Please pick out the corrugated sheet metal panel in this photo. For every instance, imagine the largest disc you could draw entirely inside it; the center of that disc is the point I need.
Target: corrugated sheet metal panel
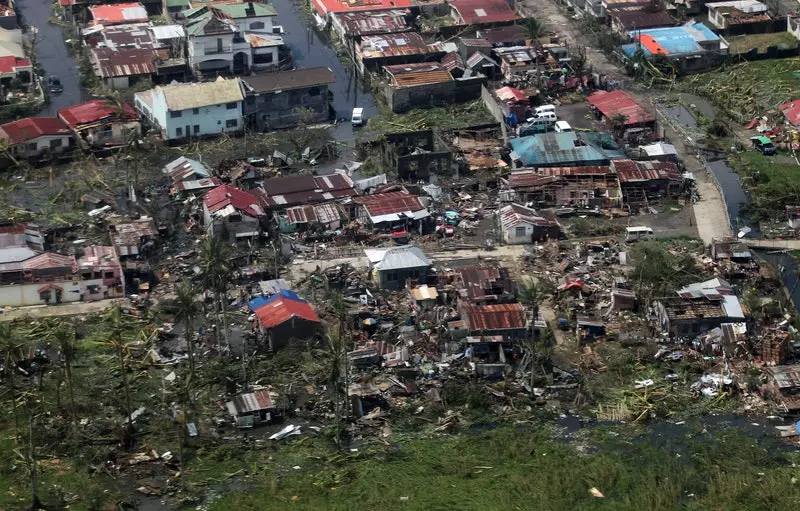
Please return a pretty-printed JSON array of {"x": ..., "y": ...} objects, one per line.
[
  {"x": 422, "y": 78},
  {"x": 494, "y": 317}
]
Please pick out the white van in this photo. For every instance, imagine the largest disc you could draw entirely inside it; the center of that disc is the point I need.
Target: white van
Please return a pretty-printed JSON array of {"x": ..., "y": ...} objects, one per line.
[
  {"x": 538, "y": 125},
  {"x": 550, "y": 116},
  {"x": 562, "y": 127},
  {"x": 638, "y": 233},
  {"x": 551, "y": 109},
  {"x": 358, "y": 117}
]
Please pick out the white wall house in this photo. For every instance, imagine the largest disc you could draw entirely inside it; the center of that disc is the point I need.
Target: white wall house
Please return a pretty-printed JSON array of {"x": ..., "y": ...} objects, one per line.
[
  {"x": 34, "y": 137},
  {"x": 232, "y": 38},
  {"x": 181, "y": 111}
]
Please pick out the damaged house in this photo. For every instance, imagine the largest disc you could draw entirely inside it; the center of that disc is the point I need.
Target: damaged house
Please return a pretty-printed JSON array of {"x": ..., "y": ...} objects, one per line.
[
  {"x": 570, "y": 149},
  {"x": 429, "y": 84},
  {"x": 99, "y": 123},
  {"x": 285, "y": 317},
  {"x": 698, "y": 308},
  {"x": 253, "y": 408},
  {"x": 391, "y": 210},
  {"x": 783, "y": 385},
  {"x": 288, "y": 98},
  {"x": 414, "y": 155},
  {"x": 392, "y": 267},
  {"x": 31, "y": 276},
  {"x": 484, "y": 284},
  {"x": 282, "y": 192},
  {"x": 593, "y": 186},
  {"x": 520, "y": 225},
  {"x": 507, "y": 320},
  {"x": 305, "y": 218},
  {"x": 644, "y": 181},
  {"x": 232, "y": 214},
  {"x": 376, "y": 51}
]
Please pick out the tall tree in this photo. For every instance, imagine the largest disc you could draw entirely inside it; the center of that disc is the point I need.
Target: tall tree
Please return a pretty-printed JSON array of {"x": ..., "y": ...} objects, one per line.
[
  {"x": 186, "y": 310},
  {"x": 530, "y": 294},
  {"x": 214, "y": 257},
  {"x": 533, "y": 28},
  {"x": 10, "y": 347}
]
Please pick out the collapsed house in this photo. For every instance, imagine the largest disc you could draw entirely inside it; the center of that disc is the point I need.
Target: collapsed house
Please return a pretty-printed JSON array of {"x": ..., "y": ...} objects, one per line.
[
  {"x": 699, "y": 308},
  {"x": 253, "y": 408},
  {"x": 232, "y": 214},
  {"x": 391, "y": 210},
  {"x": 484, "y": 284},
  {"x": 519, "y": 224}
]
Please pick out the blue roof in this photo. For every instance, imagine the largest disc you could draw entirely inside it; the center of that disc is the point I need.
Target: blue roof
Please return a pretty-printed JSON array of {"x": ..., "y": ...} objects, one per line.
[
  {"x": 258, "y": 302},
  {"x": 566, "y": 149},
  {"x": 681, "y": 40}
]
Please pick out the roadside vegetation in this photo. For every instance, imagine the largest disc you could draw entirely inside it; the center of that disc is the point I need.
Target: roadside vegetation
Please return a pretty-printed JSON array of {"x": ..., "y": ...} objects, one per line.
[
  {"x": 747, "y": 90},
  {"x": 771, "y": 183}
]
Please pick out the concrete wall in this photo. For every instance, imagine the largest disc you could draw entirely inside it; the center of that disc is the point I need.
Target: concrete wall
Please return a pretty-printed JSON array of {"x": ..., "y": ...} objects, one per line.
[
  {"x": 432, "y": 95},
  {"x": 273, "y": 111},
  {"x": 210, "y": 120},
  {"x": 39, "y": 146},
  {"x": 396, "y": 279},
  {"x": 204, "y": 49},
  {"x": 511, "y": 237},
  {"x": 28, "y": 294}
]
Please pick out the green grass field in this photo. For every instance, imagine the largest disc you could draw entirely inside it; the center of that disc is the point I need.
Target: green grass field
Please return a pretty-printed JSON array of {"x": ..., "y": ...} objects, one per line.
[
  {"x": 525, "y": 468},
  {"x": 772, "y": 183}
]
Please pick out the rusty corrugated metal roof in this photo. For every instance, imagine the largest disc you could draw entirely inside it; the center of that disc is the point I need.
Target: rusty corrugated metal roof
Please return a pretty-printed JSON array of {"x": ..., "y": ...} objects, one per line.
[{"x": 481, "y": 318}]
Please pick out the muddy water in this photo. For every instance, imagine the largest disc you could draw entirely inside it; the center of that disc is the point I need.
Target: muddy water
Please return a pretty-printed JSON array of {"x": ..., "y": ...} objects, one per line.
[
  {"x": 312, "y": 48},
  {"x": 52, "y": 54}
]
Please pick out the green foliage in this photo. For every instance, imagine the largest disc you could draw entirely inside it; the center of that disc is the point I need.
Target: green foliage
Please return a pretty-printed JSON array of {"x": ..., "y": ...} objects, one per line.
[
  {"x": 442, "y": 118},
  {"x": 772, "y": 184},
  {"x": 525, "y": 468},
  {"x": 591, "y": 227},
  {"x": 659, "y": 271}
]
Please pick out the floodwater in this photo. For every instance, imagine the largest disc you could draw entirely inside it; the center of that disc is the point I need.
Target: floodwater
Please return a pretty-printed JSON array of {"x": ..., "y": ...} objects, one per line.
[
  {"x": 312, "y": 48},
  {"x": 52, "y": 54}
]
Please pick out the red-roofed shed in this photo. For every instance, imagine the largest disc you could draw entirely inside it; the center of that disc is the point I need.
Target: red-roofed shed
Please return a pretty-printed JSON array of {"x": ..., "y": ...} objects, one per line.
[
  {"x": 83, "y": 115},
  {"x": 612, "y": 104},
  {"x": 468, "y": 12},
  {"x": 791, "y": 110}
]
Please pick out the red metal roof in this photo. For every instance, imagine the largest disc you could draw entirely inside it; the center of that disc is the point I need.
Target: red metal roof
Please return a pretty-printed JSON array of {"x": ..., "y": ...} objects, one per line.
[
  {"x": 633, "y": 171},
  {"x": 10, "y": 63},
  {"x": 791, "y": 110},
  {"x": 94, "y": 111},
  {"x": 483, "y": 11},
  {"x": 225, "y": 195},
  {"x": 323, "y": 7},
  {"x": 618, "y": 102},
  {"x": 118, "y": 13},
  {"x": 31, "y": 128},
  {"x": 281, "y": 310},
  {"x": 494, "y": 317},
  {"x": 47, "y": 260},
  {"x": 253, "y": 401},
  {"x": 510, "y": 94},
  {"x": 388, "y": 203}
]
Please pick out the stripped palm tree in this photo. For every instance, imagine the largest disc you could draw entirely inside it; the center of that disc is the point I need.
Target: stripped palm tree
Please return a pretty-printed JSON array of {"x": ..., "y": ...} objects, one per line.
[
  {"x": 214, "y": 257},
  {"x": 186, "y": 310},
  {"x": 10, "y": 349},
  {"x": 64, "y": 337}
]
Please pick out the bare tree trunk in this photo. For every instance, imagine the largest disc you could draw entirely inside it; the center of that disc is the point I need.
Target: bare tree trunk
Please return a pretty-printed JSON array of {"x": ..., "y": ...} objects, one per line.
[
  {"x": 125, "y": 388},
  {"x": 216, "y": 319},
  {"x": 189, "y": 346},
  {"x": 225, "y": 328},
  {"x": 36, "y": 504},
  {"x": 70, "y": 391}
]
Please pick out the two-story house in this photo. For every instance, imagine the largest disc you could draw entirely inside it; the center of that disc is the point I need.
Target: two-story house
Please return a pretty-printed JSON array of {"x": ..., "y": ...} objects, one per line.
[
  {"x": 234, "y": 38},
  {"x": 183, "y": 110}
]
